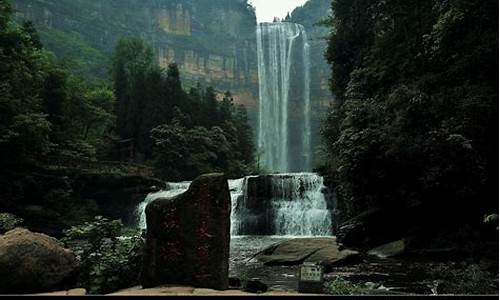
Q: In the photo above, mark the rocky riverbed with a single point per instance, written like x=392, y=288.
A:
x=276, y=261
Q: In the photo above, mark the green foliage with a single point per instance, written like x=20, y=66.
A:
x=417, y=102
x=44, y=109
x=9, y=222
x=184, y=134
x=184, y=153
x=342, y=287
x=110, y=259
x=472, y=279
x=76, y=52
x=23, y=127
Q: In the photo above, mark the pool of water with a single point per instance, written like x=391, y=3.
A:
x=242, y=266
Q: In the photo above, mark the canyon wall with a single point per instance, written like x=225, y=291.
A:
x=212, y=41
x=310, y=16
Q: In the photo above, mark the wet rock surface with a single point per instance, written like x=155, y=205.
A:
x=323, y=251
x=401, y=275
x=188, y=237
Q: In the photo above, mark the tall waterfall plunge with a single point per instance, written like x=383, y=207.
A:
x=283, y=205
x=285, y=103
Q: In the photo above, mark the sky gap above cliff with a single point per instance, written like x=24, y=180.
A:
x=267, y=10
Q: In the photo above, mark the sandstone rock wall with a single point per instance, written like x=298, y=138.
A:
x=213, y=42
x=310, y=15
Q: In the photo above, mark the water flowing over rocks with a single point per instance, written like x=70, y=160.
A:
x=188, y=236
x=34, y=263
x=282, y=204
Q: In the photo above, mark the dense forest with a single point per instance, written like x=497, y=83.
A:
x=415, y=123
x=144, y=115
x=129, y=161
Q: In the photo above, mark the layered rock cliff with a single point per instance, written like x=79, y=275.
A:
x=310, y=16
x=213, y=42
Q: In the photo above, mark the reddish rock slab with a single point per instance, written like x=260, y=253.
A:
x=188, y=237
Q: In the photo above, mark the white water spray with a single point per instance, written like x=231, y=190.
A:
x=296, y=204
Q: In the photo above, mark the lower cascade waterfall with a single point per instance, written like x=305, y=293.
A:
x=282, y=205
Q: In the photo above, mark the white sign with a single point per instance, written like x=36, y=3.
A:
x=311, y=273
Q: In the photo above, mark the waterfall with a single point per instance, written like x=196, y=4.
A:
x=283, y=205
x=173, y=189
x=299, y=205
x=283, y=51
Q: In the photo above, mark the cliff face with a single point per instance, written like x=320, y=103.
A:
x=213, y=42
x=310, y=15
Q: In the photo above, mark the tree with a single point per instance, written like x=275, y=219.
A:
x=132, y=61
x=29, y=28
x=211, y=115
x=24, y=129
x=417, y=84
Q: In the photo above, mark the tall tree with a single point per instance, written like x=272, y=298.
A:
x=417, y=90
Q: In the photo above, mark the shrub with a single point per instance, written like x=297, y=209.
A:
x=9, y=222
x=110, y=255
x=464, y=279
x=343, y=287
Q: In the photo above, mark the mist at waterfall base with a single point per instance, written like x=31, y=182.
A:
x=284, y=129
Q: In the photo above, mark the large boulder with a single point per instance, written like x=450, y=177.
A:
x=188, y=236
x=373, y=228
x=323, y=251
x=34, y=263
x=393, y=249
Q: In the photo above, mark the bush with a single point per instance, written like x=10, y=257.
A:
x=110, y=255
x=464, y=279
x=343, y=287
x=9, y=222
